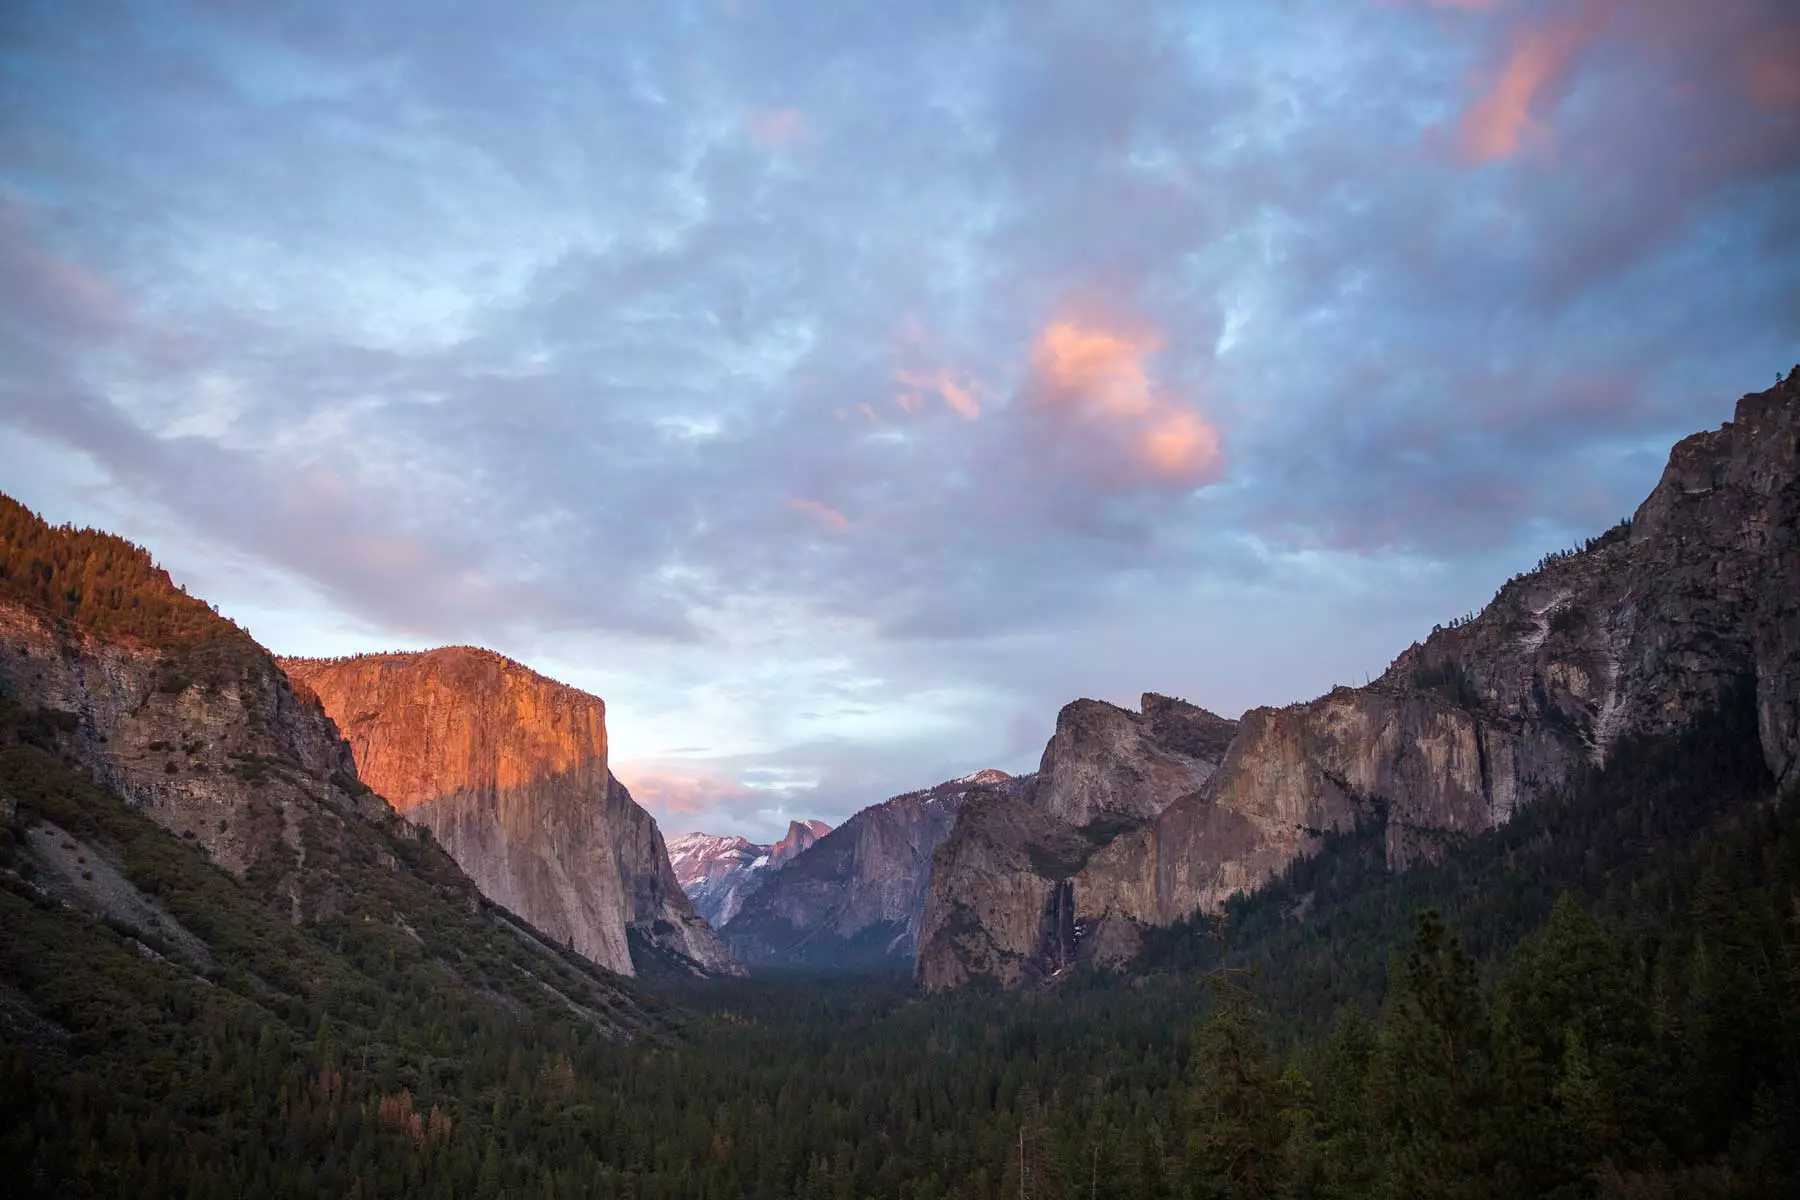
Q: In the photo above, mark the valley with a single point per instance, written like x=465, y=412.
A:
x=389, y=922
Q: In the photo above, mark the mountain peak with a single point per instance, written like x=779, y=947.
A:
x=799, y=838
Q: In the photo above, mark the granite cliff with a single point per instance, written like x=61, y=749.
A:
x=997, y=902
x=1640, y=631
x=855, y=898
x=109, y=669
x=508, y=769
x=798, y=839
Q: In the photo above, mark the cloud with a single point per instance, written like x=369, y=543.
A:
x=959, y=393
x=827, y=516
x=1094, y=408
x=1539, y=63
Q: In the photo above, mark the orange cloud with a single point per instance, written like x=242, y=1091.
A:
x=824, y=514
x=955, y=392
x=1092, y=387
x=773, y=128
x=1538, y=64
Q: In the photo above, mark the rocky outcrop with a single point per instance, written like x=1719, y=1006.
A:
x=999, y=906
x=717, y=872
x=1108, y=765
x=508, y=769
x=855, y=898
x=207, y=738
x=799, y=838
x=1640, y=631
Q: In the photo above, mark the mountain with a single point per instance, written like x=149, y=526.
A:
x=717, y=872
x=508, y=769
x=998, y=903
x=798, y=839
x=855, y=898
x=1641, y=631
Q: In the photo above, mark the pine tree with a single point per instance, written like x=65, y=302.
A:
x=1240, y=1131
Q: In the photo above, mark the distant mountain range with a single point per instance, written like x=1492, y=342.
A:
x=718, y=872
x=832, y=899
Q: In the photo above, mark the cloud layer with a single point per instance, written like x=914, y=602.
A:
x=840, y=389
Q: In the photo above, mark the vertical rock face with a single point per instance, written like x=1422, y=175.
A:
x=800, y=836
x=999, y=904
x=509, y=771
x=1108, y=764
x=1640, y=632
x=211, y=742
x=855, y=898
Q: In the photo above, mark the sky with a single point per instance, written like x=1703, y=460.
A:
x=839, y=389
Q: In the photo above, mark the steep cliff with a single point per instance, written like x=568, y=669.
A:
x=997, y=900
x=1643, y=630
x=122, y=698
x=855, y=898
x=509, y=771
x=799, y=838
x=172, y=707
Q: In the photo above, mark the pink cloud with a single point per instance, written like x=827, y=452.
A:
x=1538, y=66
x=824, y=514
x=959, y=393
x=679, y=792
x=55, y=291
x=1092, y=396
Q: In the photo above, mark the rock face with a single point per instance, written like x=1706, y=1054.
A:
x=717, y=872
x=1108, y=765
x=999, y=905
x=221, y=751
x=1640, y=632
x=855, y=898
x=107, y=667
x=800, y=837
x=509, y=771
